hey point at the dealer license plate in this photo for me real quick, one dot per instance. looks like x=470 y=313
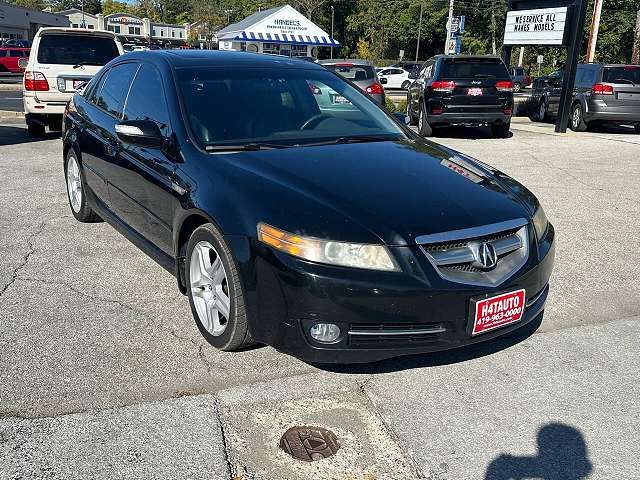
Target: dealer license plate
x=475 y=91
x=78 y=83
x=498 y=311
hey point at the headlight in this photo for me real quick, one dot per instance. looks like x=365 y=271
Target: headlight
x=540 y=222
x=357 y=255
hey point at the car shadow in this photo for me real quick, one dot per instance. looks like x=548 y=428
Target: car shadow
x=562 y=455
x=468 y=133
x=15 y=135
x=446 y=357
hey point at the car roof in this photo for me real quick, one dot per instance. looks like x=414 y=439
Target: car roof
x=352 y=61
x=469 y=57
x=180 y=58
x=85 y=31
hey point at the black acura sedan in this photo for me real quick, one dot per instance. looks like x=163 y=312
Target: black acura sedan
x=295 y=212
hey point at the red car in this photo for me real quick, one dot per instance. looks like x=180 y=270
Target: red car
x=9 y=57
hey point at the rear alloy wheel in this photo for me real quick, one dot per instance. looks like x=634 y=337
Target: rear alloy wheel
x=517 y=87
x=214 y=290
x=405 y=85
x=577 y=122
x=76 y=191
x=542 y=111
x=424 y=129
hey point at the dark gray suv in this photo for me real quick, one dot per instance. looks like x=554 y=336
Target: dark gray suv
x=602 y=93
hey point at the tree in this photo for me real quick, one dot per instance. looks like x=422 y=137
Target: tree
x=635 y=53
x=33 y=4
x=114 y=6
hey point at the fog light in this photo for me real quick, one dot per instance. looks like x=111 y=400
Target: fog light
x=325 y=332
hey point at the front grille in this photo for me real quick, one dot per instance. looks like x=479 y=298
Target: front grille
x=385 y=335
x=455 y=255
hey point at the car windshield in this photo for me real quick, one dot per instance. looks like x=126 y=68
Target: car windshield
x=285 y=107
x=76 y=49
x=473 y=68
x=355 y=73
x=628 y=74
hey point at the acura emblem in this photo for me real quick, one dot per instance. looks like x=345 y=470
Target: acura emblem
x=485 y=255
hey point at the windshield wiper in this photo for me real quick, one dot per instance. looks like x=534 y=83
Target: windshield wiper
x=353 y=139
x=84 y=62
x=623 y=80
x=244 y=147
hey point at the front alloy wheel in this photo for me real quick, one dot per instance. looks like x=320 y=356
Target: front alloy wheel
x=215 y=293
x=577 y=119
x=424 y=129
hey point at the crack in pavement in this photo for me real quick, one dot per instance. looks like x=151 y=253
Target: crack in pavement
x=25 y=259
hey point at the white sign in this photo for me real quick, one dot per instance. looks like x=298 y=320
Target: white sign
x=540 y=58
x=544 y=26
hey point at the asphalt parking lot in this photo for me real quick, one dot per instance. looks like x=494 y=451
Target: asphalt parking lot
x=103 y=373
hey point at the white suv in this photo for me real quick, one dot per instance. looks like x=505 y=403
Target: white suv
x=61 y=60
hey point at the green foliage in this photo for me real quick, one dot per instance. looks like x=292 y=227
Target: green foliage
x=389 y=105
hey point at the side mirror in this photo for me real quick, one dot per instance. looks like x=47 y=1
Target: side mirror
x=402 y=117
x=383 y=81
x=22 y=62
x=140 y=132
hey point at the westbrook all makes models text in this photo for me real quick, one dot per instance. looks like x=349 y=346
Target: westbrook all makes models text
x=295 y=212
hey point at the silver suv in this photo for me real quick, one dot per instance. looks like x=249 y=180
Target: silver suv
x=360 y=72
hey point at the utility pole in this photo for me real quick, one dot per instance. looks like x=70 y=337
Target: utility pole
x=521 y=57
x=419 y=31
x=493 y=28
x=84 y=24
x=449 y=21
x=635 y=55
x=593 y=32
x=332 y=16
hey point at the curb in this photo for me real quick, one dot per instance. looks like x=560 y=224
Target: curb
x=4 y=114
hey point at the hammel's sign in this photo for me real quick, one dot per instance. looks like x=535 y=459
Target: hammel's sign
x=544 y=26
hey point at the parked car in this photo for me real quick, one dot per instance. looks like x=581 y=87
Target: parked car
x=17 y=42
x=360 y=72
x=461 y=90
x=336 y=235
x=603 y=93
x=520 y=78
x=394 y=78
x=9 y=57
x=61 y=60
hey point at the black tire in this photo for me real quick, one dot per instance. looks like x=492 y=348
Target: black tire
x=424 y=129
x=236 y=334
x=412 y=118
x=35 y=130
x=636 y=127
x=500 y=130
x=576 y=120
x=405 y=85
x=84 y=213
x=540 y=112
x=517 y=87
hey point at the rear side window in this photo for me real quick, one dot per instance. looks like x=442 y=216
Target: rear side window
x=114 y=90
x=76 y=49
x=15 y=53
x=355 y=73
x=144 y=103
x=628 y=74
x=473 y=68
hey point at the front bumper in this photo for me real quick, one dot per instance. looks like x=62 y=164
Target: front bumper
x=291 y=294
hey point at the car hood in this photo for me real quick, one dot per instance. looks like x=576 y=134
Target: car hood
x=395 y=191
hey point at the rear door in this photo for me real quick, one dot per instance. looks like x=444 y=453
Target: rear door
x=476 y=83
x=98 y=141
x=69 y=59
x=417 y=88
x=625 y=80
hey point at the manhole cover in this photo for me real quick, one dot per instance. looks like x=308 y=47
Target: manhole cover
x=309 y=443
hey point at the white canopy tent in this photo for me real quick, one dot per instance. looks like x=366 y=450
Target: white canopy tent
x=279 y=30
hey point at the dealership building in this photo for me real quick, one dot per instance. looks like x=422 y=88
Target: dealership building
x=280 y=30
x=23 y=23
x=130 y=28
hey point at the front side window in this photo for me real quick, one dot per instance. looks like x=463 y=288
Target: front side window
x=115 y=87
x=284 y=106
x=76 y=49
x=144 y=103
